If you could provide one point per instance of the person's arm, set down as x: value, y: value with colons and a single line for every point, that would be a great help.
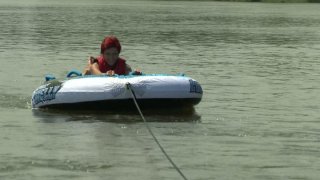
x: 94, y: 69
x: 87, y: 70
x: 128, y: 69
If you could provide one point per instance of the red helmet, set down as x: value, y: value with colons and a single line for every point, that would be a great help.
x: 109, y: 42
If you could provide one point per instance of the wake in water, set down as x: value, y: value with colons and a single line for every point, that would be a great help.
x: 10, y: 101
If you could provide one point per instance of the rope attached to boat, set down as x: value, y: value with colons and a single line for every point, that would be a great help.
x: 150, y: 131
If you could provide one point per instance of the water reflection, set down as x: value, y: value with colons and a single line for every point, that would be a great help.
x: 125, y: 116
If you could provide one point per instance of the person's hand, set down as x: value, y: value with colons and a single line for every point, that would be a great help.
x: 137, y: 72
x: 110, y: 73
x: 91, y: 60
x: 88, y: 67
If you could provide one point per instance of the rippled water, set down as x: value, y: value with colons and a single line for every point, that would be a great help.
x: 258, y: 65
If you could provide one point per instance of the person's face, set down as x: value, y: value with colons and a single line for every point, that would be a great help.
x: 111, y: 55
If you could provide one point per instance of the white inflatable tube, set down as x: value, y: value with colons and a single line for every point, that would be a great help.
x: 99, y: 92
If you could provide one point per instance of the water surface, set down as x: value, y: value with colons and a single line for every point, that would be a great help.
x: 258, y: 65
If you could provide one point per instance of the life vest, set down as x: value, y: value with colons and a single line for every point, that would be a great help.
x: 119, y: 67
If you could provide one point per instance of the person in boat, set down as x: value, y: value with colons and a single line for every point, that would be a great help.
x: 109, y: 62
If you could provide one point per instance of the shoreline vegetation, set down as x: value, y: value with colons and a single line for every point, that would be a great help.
x: 275, y: 1
x: 263, y: 1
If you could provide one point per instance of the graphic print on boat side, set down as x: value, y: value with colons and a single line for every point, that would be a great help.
x: 47, y: 93
x: 195, y: 87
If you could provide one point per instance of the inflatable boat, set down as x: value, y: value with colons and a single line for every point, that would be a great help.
x: 111, y: 92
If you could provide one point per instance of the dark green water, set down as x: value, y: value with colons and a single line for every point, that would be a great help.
x: 258, y: 65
